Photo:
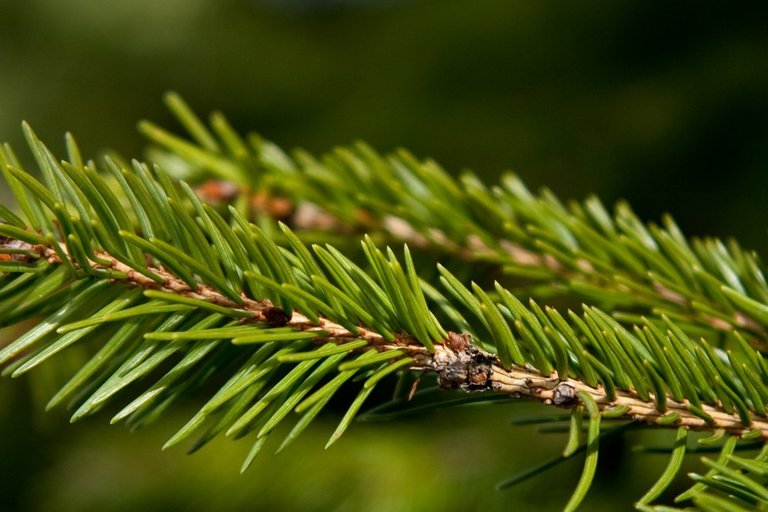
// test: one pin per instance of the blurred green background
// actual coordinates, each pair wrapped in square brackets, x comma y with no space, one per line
[662,103]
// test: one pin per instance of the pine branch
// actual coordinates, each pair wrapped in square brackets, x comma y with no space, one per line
[167,287]
[458,363]
[610,260]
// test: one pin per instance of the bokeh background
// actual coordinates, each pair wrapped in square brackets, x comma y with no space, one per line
[662,103]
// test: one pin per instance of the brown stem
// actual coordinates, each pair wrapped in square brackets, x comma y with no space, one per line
[464,366]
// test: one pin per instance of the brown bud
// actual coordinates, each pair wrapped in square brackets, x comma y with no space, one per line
[275,317]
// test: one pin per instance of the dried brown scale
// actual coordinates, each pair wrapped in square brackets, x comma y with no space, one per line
[457,362]
[16,245]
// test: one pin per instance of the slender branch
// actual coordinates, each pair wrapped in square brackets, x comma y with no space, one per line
[307,215]
[457,362]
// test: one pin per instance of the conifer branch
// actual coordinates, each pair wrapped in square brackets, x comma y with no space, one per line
[167,286]
[614,261]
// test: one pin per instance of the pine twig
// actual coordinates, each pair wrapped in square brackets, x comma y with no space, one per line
[580,248]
